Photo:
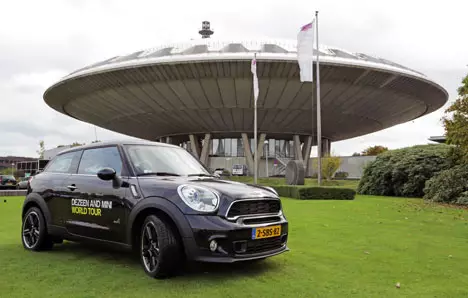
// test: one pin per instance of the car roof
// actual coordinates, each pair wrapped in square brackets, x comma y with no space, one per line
[117,143]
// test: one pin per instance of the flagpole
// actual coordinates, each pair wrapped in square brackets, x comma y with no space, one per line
[255,133]
[312,101]
[319,120]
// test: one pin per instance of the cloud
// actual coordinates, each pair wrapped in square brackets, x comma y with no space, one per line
[54,37]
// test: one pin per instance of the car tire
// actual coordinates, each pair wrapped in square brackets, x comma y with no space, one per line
[34,234]
[159,248]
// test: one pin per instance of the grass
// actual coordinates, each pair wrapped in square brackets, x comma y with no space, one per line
[308,181]
[359,248]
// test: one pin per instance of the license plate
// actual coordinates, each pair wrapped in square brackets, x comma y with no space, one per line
[266,232]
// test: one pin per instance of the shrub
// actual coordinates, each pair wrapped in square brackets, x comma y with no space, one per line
[330,164]
[315,192]
[341,175]
[404,172]
[449,186]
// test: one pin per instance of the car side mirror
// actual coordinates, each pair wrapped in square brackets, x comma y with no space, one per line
[107,174]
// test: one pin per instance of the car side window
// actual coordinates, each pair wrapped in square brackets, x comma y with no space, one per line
[61,163]
[93,160]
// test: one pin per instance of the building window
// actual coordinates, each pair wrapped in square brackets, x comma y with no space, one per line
[228,147]
[234,147]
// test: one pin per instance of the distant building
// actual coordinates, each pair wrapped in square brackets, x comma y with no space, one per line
[438,139]
[11,161]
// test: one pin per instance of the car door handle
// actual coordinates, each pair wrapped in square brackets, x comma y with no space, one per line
[71,187]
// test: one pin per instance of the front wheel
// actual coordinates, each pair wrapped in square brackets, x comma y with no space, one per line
[160,249]
[34,232]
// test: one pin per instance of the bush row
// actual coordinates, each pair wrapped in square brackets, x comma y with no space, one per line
[404,172]
[449,186]
[314,192]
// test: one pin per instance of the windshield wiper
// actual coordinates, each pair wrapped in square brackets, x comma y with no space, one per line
[200,175]
[158,174]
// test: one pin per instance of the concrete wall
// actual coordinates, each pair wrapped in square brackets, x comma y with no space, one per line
[12,193]
[354,165]
[228,162]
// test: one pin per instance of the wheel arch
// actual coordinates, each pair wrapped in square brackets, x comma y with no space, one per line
[34,200]
[164,209]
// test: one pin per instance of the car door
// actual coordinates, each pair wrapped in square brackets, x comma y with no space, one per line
[50,185]
[96,209]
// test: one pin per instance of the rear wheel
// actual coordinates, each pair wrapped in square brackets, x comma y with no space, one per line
[34,231]
[160,249]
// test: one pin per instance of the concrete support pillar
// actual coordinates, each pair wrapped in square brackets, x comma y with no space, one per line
[297,148]
[248,153]
[260,141]
[306,153]
[169,140]
[195,148]
[326,147]
[205,152]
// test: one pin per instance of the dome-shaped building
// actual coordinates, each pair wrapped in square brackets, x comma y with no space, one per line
[199,94]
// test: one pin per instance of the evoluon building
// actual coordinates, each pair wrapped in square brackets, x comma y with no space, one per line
[198,94]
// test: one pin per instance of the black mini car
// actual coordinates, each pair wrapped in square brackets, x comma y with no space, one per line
[156,199]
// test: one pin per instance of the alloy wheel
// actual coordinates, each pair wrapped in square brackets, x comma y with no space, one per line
[31,228]
[150,247]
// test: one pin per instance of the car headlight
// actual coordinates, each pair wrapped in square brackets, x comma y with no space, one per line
[199,198]
[271,189]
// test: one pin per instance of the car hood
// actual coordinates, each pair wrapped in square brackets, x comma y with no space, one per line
[235,190]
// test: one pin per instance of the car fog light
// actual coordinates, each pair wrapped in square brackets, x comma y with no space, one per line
[213,245]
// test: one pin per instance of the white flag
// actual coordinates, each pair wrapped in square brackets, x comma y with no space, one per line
[253,68]
[305,52]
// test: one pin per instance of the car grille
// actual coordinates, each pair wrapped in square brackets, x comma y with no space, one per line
[262,245]
[251,207]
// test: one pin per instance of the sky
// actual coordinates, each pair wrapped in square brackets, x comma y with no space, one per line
[41,41]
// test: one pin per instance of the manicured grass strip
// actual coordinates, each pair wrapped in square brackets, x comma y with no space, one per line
[358,248]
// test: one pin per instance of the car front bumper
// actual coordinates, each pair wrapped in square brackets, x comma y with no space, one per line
[234,241]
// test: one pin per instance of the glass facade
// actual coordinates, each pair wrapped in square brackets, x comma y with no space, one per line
[231,147]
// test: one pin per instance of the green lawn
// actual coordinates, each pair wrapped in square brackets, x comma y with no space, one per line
[308,181]
[359,248]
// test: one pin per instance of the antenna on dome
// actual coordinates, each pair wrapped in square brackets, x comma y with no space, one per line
[205,31]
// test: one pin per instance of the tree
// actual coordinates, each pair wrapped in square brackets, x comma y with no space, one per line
[74,144]
[356,154]
[456,121]
[374,150]
[41,149]
[330,164]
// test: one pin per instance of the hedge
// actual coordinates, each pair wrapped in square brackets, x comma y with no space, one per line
[314,192]
[404,172]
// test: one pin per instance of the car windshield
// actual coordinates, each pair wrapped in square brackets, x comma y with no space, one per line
[164,161]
